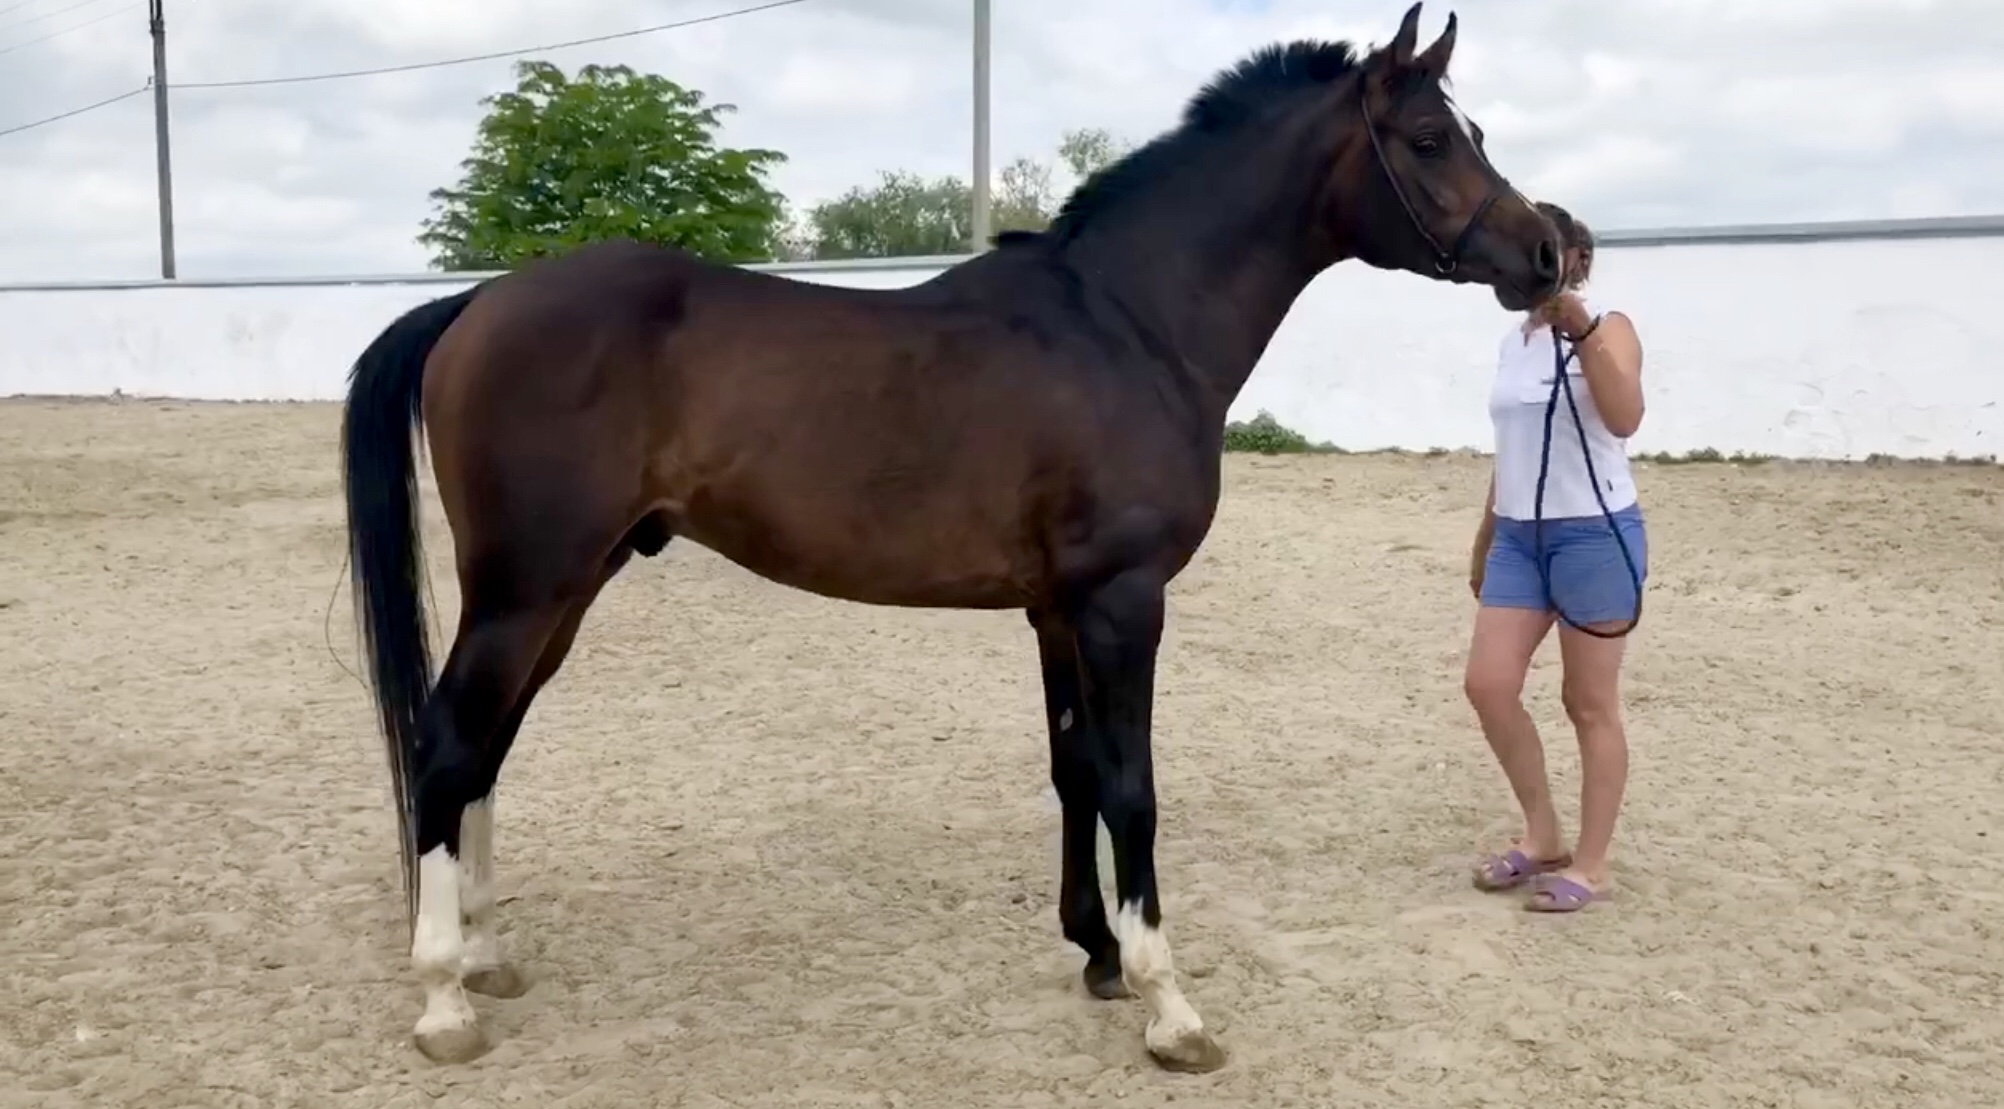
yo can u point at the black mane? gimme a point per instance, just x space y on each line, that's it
1265 76
1234 97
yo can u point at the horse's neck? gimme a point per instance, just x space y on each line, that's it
1210 292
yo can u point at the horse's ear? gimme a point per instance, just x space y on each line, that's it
1400 52
1433 63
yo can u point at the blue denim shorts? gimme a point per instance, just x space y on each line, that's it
1589 578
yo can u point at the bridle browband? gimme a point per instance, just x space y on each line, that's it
1444 261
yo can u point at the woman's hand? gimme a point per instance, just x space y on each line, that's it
1567 315
1478 562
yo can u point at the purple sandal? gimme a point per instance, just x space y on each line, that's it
1513 868
1556 893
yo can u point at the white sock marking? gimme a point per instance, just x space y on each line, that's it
437 945
476 890
1150 971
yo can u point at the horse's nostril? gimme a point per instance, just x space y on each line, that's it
1547 260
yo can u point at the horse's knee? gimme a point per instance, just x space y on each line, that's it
1123 614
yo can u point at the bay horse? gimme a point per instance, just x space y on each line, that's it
1039 427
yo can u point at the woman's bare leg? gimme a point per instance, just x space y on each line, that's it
1498 658
1592 695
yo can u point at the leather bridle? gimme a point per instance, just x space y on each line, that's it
1447 262
1444 261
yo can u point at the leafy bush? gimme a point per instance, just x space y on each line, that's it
1265 435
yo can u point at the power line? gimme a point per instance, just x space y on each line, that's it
638 31
47 15
105 103
67 30
487 57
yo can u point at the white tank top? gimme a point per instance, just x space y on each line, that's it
1517 409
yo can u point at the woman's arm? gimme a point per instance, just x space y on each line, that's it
1485 533
1611 359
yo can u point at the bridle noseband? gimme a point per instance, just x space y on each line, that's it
1444 261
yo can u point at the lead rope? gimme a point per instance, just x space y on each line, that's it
1560 356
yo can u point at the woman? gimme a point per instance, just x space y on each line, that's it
1587 575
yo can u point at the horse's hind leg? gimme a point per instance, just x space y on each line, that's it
486 672
481 966
483 969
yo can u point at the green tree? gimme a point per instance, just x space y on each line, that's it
1023 200
613 153
792 242
904 214
1088 151
901 216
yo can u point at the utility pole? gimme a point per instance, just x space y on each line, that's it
157 22
981 53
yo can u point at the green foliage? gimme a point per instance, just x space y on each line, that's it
613 153
904 214
1086 152
1263 434
1702 454
1023 199
1746 458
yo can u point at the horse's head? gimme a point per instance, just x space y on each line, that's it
1417 192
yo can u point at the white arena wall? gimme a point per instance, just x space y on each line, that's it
1799 349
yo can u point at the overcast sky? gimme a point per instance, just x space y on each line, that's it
1631 113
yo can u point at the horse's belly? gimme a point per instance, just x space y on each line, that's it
939 567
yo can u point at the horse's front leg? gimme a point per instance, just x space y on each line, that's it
1119 632
1081 911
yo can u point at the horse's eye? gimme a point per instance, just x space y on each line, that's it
1429 144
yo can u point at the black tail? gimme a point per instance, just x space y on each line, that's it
379 462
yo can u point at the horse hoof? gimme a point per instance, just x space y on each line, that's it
452 1045
1191 1051
503 982
1102 980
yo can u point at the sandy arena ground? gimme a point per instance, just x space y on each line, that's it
761 849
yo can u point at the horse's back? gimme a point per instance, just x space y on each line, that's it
917 446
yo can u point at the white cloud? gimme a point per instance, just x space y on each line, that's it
1642 112
1604 165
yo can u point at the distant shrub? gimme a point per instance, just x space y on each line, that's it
1265 435
1703 455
